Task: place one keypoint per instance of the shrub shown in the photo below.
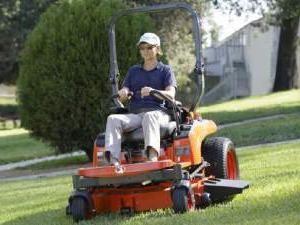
(63, 88)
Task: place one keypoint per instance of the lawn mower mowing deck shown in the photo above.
(193, 169)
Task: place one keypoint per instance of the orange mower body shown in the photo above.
(179, 180)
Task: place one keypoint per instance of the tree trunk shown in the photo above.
(286, 71)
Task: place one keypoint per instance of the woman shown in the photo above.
(145, 110)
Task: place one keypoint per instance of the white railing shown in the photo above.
(234, 84)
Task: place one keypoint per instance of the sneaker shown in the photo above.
(152, 155)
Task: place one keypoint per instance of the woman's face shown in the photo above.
(148, 52)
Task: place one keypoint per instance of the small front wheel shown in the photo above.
(79, 209)
(182, 200)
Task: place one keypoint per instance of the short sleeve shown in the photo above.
(170, 79)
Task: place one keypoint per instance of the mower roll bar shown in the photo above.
(199, 67)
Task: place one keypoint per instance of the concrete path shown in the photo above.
(40, 175)
(24, 163)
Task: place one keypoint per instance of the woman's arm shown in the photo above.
(170, 91)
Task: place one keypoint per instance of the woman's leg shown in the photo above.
(151, 127)
(115, 126)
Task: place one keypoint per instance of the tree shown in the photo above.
(18, 17)
(8, 40)
(288, 14)
(283, 13)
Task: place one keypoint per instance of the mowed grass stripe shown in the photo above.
(20, 146)
(273, 197)
(253, 107)
(34, 196)
(260, 132)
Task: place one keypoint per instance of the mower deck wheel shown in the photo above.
(182, 200)
(79, 209)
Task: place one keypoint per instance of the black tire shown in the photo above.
(217, 151)
(182, 200)
(79, 209)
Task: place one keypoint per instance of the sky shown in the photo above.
(230, 23)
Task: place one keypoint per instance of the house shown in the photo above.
(244, 62)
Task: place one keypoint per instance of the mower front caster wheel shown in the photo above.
(79, 209)
(182, 200)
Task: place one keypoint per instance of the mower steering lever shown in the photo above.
(161, 96)
(157, 94)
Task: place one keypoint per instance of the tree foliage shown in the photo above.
(17, 20)
(64, 88)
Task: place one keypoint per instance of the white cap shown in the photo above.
(149, 38)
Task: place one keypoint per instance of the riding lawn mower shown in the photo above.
(193, 170)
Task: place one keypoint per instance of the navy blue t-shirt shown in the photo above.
(159, 78)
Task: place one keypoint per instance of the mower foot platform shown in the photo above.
(169, 174)
(222, 188)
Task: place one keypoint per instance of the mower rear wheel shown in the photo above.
(182, 200)
(221, 155)
(79, 209)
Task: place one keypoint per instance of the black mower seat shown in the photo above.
(137, 135)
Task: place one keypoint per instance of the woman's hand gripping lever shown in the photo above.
(120, 97)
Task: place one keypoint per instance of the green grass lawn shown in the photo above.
(253, 107)
(16, 145)
(281, 129)
(273, 197)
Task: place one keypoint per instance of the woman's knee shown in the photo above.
(113, 119)
(150, 117)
